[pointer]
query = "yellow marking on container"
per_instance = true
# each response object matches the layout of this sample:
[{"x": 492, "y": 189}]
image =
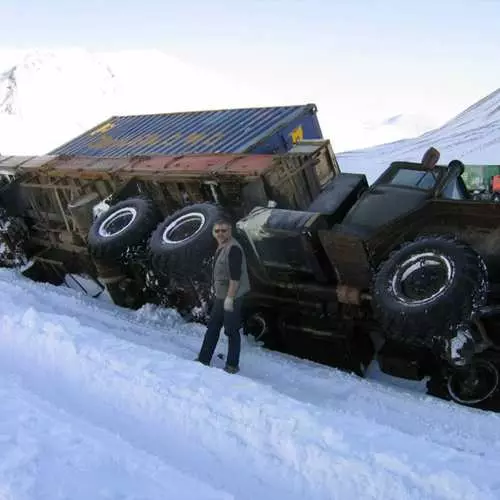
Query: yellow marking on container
[
  {"x": 172, "y": 138},
  {"x": 103, "y": 128},
  {"x": 152, "y": 139},
  {"x": 194, "y": 137},
  {"x": 213, "y": 138},
  {"x": 104, "y": 140},
  {"x": 297, "y": 134}
]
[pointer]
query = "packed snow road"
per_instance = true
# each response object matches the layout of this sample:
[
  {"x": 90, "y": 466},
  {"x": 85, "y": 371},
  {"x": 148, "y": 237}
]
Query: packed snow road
[{"x": 102, "y": 402}]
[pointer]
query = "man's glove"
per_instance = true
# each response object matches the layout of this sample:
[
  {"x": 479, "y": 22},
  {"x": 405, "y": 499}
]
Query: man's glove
[{"x": 228, "y": 304}]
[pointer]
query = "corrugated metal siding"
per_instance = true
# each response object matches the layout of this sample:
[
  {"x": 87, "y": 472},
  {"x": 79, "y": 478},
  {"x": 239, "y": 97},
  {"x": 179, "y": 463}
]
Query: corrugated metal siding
[{"x": 222, "y": 131}]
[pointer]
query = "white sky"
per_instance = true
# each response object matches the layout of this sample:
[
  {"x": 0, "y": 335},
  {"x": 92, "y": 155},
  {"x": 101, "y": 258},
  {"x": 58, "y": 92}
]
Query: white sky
[{"x": 359, "y": 61}]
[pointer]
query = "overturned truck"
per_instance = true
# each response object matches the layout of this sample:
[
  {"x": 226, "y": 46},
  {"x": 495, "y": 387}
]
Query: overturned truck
[{"x": 406, "y": 269}]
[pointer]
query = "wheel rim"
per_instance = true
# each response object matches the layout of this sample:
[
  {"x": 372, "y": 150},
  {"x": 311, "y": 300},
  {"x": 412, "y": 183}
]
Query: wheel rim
[
  {"x": 474, "y": 385},
  {"x": 257, "y": 326},
  {"x": 183, "y": 228},
  {"x": 117, "y": 222},
  {"x": 422, "y": 277}
]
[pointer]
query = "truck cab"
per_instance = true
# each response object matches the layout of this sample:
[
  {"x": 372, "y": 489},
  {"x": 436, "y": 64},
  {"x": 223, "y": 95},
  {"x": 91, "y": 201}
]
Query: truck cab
[{"x": 405, "y": 187}]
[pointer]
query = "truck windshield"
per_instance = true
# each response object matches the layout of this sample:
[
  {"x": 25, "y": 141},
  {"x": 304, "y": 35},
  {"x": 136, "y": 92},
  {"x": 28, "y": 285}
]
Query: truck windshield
[{"x": 413, "y": 178}]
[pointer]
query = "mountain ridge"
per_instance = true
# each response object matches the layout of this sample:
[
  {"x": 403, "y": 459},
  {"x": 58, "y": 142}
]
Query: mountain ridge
[{"x": 472, "y": 136}]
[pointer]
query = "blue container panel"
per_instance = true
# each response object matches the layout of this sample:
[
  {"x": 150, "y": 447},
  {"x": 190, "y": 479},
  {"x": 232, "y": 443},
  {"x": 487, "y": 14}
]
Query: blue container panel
[
  {"x": 222, "y": 131},
  {"x": 304, "y": 127}
]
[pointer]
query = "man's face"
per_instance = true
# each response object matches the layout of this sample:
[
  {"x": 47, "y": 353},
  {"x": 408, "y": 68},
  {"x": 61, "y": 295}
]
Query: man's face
[{"x": 222, "y": 233}]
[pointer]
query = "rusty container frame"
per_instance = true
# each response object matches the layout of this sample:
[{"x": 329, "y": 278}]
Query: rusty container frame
[{"x": 45, "y": 186}]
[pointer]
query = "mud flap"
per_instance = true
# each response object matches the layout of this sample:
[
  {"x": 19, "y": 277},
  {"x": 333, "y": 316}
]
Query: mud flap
[{"x": 348, "y": 256}]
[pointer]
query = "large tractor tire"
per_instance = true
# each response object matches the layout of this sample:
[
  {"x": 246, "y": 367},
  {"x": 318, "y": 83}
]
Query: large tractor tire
[
  {"x": 425, "y": 289},
  {"x": 124, "y": 225},
  {"x": 183, "y": 243}
]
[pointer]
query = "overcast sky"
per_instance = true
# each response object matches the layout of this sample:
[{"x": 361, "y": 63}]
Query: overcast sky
[{"x": 358, "y": 60}]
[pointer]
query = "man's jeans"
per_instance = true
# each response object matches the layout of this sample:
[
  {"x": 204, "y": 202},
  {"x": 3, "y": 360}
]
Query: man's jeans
[{"x": 231, "y": 322}]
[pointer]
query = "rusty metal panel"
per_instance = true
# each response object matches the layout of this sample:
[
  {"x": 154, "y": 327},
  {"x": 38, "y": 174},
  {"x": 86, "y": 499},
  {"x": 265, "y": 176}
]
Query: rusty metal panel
[
  {"x": 248, "y": 165},
  {"x": 85, "y": 167},
  {"x": 199, "y": 166},
  {"x": 176, "y": 165},
  {"x": 259, "y": 130},
  {"x": 293, "y": 181}
]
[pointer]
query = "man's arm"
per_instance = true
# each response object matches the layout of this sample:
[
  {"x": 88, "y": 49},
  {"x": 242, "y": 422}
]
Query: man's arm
[
  {"x": 235, "y": 262},
  {"x": 235, "y": 259}
]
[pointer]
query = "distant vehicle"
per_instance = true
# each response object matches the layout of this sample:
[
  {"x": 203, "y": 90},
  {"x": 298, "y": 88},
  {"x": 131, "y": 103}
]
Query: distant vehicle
[
  {"x": 495, "y": 188},
  {"x": 335, "y": 264}
]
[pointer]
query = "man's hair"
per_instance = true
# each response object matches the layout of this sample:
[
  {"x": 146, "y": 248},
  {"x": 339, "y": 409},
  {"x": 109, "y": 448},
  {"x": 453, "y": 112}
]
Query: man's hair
[{"x": 223, "y": 221}]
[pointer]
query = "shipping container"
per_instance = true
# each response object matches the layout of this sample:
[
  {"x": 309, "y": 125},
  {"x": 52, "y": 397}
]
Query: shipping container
[{"x": 270, "y": 130}]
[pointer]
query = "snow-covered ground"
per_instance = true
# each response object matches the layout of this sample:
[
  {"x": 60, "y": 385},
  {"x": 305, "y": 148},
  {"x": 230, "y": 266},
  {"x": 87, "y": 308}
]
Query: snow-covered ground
[{"x": 100, "y": 402}]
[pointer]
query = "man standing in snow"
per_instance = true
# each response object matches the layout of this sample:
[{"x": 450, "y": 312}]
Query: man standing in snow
[{"x": 230, "y": 282}]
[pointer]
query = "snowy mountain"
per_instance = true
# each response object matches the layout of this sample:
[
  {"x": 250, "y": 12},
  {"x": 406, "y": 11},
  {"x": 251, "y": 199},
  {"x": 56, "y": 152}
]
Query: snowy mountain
[
  {"x": 44, "y": 81},
  {"x": 49, "y": 97},
  {"x": 473, "y": 136},
  {"x": 46, "y": 98},
  {"x": 397, "y": 127}
]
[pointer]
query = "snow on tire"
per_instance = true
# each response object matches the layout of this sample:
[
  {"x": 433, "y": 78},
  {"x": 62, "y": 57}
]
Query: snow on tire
[
  {"x": 427, "y": 287},
  {"x": 125, "y": 224}
]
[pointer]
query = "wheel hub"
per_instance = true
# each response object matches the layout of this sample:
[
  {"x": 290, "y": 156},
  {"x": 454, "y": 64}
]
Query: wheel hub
[
  {"x": 183, "y": 228},
  {"x": 117, "y": 222},
  {"x": 421, "y": 278}
]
